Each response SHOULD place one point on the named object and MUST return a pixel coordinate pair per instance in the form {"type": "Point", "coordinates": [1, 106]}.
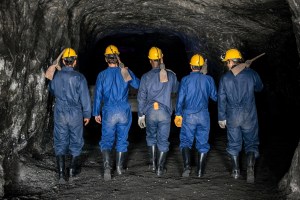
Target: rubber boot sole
{"type": "Point", "coordinates": [186, 173]}
{"type": "Point", "coordinates": [120, 171]}
{"type": "Point", "coordinates": [161, 172]}
{"type": "Point", "coordinates": [151, 168]}
{"type": "Point", "coordinates": [107, 175]}
{"type": "Point", "coordinates": [200, 174]}
{"type": "Point", "coordinates": [61, 181]}
{"type": "Point", "coordinates": [73, 178]}
{"type": "Point", "coordinates": [235, 174]}
{"type": "Point", "coordinates": [250, 175]}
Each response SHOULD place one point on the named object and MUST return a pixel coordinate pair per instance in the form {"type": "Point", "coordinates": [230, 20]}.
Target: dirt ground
{"type": "Point", "coordinates": [140, 183]}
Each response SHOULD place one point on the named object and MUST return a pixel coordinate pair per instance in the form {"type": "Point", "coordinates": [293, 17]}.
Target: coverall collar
{"type": "Point", "coordinates": [66, 68]}
{"type": "Point", "coordinates": [156, 68]}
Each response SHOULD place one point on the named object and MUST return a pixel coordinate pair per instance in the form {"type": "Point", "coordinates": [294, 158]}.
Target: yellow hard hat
{"type": "Point", "coordinates": [197, 60]}
{"type": "Point", "coordinates": [69, 52]}
{"type": "Point", "coordinates": [155, 53]}
{"type": "Point", "coordinates": [232, 54]}
{"type": "Point", "coordinates": [111, 49]}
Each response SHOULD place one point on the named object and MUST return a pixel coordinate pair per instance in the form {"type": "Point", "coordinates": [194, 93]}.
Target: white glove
{"type": "Point", "coordinates": [142, 122]}
{"type": "Point", "coordinates": [222, 124]}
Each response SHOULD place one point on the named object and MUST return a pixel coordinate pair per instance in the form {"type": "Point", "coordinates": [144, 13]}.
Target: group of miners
{"type": "Point", "coordinates": [235, 99]}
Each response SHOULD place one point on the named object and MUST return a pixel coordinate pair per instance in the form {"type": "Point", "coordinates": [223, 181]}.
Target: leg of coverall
{"type": "Point", "coordinates": [76, 143]}
{"type": "Point", "coordinates": [122, 143]}
{"type": "Point", "coordinates": [234, 147]}
{"type": "Point", "coordinates": [163, 133]}
{"type": "Point", "coordinates": [251, 141]}
{"type": "Point", "coordinates": [151, 138]}
{"type": "Point", "coordinates": [202, 145]}
{"type": "Point", "coordinates": [186, 142]}
{"type": "Point", "coordinates": [61, 141]}
{"type": "Point", "coordinates": [107, 141]}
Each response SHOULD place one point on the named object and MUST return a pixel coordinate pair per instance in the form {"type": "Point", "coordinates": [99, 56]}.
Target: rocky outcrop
{"type": "Point", "coordinates": [290, 183]}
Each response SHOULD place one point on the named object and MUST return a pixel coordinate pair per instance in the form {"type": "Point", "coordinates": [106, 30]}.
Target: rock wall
{"type": "Point", "coordinates": [290, 183]}
{"type": "Point", "coordinates": [32, 34]}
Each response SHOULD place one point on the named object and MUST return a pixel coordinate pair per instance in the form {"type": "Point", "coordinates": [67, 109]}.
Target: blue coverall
{"type": "Point", "coordinates": [192, 104]}
{"type": "Point", "coordinates": [72, 104]}
{"type": "Point", "coordinates": [236, 105]}
{"type": "Point", "coordinates": [158, 122]}
{"type": "Point", "coordinates": [112, 91]}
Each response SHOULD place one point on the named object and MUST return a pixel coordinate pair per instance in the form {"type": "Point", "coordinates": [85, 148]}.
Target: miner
{"type": "Point", "coordinates": [72, 110]}
{"type": "Point", "coordinates": [112, 109]}
{"type": "Point", "coordinates": [155, 108]}
{"type": "Point", "coordinates": [237, 111]}
{"type": "Point", "coordinates": [192, 114]}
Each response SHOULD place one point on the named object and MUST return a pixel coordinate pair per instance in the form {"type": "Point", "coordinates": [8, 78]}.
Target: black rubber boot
{"type": "Point", "coordinates": [161, 163]}
{"type": "Point", "coordinates": [201, 164]}
{"type": "Point", "coordinates": [250, 167]}
{"type": "Point", "coordinates": [186, 162]}
{"type": "Point", "coordinates": [74, 169]}
{"type": "Point", "coordinates": [120, 162]}
{"type": "Point", "coordinates": [106, 164]}
{"type": "Point", "coordinates": [61, 169]}
{"type": "Point", "coordinates": [235, 167]}
{"type": "Point", "coordinates": [152, 155]}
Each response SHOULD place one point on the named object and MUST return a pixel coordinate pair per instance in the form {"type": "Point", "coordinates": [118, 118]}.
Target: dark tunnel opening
{"type": "Point", "coordinates": [134, 54]}
{"type": "Point", "coordinates": [134, 50]}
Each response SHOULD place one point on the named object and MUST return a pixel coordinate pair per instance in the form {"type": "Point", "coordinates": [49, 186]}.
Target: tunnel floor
{"type": "Point", "coordinates": [140, 183]}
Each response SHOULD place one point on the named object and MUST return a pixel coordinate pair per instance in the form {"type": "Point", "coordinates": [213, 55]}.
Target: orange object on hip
{"type": "Point", "coordinates": [155, 106]}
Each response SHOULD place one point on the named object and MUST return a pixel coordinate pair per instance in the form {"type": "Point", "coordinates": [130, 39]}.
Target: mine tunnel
{"type": "Point", "coordinates": [33, 34]}
{"type": "Point", "coordinates": [134, 50]}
